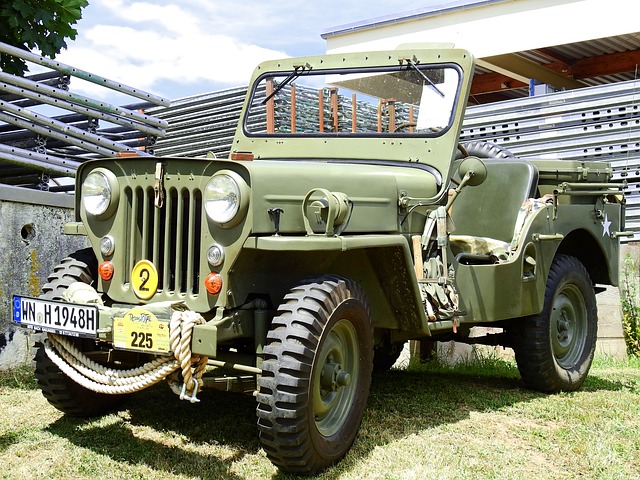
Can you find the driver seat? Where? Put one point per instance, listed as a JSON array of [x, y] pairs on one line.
[[485, 215]]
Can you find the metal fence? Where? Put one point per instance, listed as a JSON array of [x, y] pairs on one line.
[[591, 124], [200, 124], [36, 146]]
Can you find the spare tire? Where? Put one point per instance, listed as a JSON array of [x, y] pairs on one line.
[[482, 149]]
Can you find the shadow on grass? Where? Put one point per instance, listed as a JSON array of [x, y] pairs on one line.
[[225, 419], [595, 382], [18, 378], [406, 402], [400, 403], [8, 439]]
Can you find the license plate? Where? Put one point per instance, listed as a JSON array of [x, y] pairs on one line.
[[55, 317], [141, 330]]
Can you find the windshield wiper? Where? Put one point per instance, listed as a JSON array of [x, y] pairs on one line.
[[413, 65], [297, 71]]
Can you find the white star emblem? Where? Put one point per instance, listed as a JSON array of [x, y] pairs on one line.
[[606, 225]]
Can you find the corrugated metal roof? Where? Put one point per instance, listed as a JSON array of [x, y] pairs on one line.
[[574, 52]]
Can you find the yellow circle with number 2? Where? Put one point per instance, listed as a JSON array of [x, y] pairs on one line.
[[144, 279]]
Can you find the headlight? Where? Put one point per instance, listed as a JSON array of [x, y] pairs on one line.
[[99, 192], [226, 198]]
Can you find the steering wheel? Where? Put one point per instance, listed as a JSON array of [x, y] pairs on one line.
[[404, 125]]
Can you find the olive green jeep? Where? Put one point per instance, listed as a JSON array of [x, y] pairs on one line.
[[348, 220]]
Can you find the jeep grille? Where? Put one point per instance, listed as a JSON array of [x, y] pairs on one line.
[[167, 236]]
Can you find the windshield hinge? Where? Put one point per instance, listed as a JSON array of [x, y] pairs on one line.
[[297, 71], [413, 63], [158, 186]]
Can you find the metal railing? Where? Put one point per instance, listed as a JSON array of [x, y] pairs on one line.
[[35, 146], [590, 124]]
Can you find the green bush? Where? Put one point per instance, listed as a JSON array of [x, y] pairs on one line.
[[631, 306]]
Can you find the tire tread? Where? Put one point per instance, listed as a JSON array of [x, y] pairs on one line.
[[289, 353]]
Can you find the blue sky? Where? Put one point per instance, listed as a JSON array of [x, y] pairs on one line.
[[185, 47]]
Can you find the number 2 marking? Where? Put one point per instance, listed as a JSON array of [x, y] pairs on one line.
[[144, 278]]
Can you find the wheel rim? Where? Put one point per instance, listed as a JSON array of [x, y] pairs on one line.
[[568, 326], [335, 378]]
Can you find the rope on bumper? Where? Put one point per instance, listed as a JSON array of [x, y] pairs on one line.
[[180, 332], [98, 378]]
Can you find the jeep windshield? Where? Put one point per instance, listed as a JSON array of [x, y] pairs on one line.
[[405, 99]]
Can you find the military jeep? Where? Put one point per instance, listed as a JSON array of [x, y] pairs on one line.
[[347, 220]]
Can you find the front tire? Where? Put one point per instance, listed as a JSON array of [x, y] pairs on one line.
[[555, 348], [61, 391], [316, 375]]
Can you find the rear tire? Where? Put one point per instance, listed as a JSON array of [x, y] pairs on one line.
[[316, 375], [386, 355], [60, 391], [555, 348]]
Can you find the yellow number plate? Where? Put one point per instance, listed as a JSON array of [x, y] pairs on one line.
[[144, 279], [140, 329]]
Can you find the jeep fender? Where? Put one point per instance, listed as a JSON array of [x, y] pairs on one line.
[[381, 264]]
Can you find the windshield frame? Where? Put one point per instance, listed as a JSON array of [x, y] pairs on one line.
[[257, 96]]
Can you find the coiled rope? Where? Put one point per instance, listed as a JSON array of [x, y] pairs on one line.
[[98, 378]]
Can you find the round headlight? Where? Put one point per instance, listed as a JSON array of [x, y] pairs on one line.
[[225, 196], [99, 192]]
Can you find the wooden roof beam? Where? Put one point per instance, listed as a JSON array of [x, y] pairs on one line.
[[522, 70], [494, 83], [599, 65]]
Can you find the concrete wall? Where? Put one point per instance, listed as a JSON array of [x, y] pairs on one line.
[[611, 341], [31, 245]]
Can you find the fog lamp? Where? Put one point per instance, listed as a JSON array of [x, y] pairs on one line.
[[107, 245], [215, 255]]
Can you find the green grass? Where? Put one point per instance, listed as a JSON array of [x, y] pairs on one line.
[[471, 421]]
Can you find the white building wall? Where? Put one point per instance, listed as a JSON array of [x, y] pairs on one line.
[[495, 29]]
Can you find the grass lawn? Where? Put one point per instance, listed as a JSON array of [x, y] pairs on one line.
[[472, 421]]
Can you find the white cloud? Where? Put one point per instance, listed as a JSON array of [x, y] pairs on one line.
[[161, 43], [207, 44], [170, 17]]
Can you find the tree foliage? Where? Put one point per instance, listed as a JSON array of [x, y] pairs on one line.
[[37, 24]]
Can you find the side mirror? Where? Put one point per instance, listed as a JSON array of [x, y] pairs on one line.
[[473, 170]]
